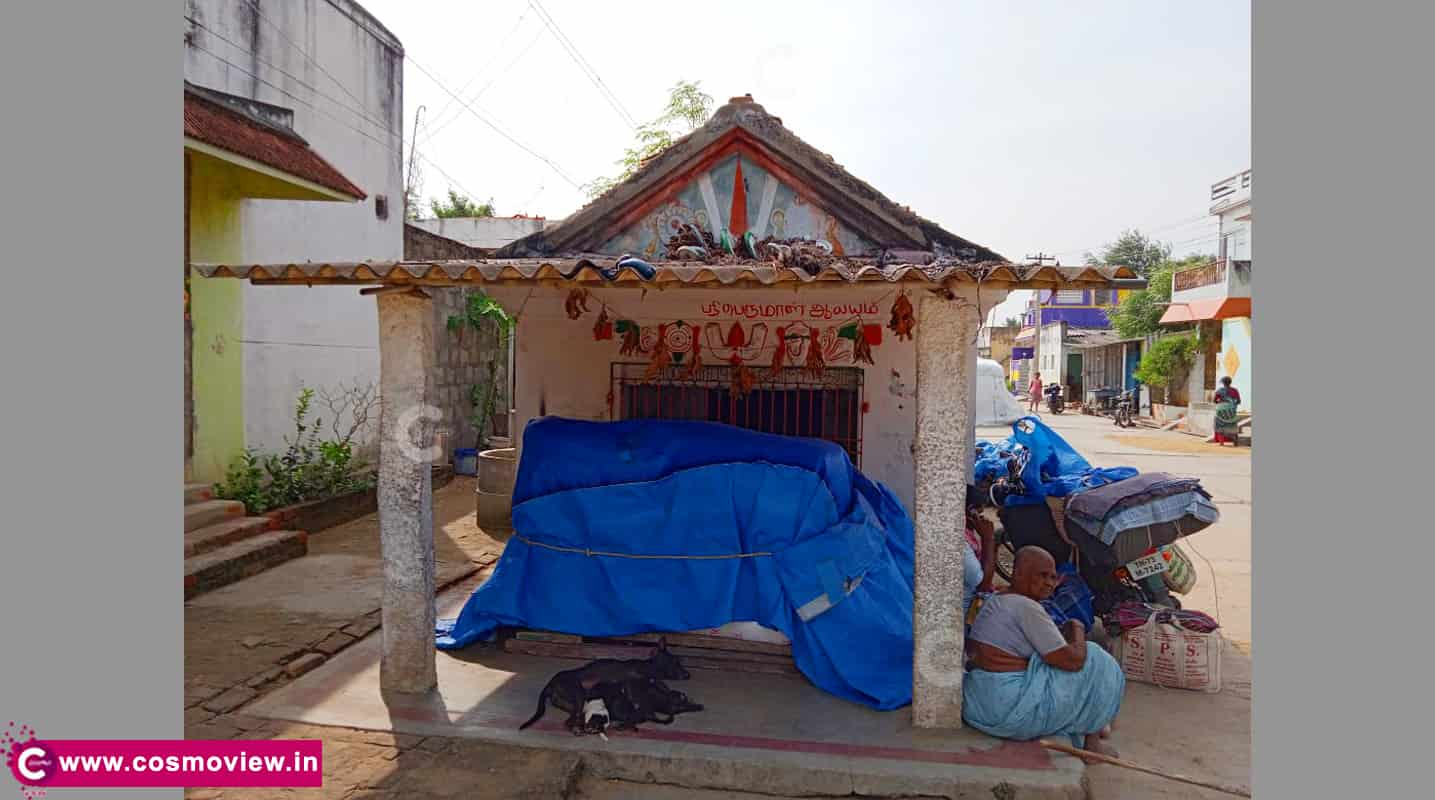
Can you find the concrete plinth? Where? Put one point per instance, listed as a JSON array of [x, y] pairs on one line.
[[946, 362], [405, 497], [769, 734]]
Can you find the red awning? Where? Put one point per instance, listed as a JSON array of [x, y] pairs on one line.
[[213, 124], [1215, 308]]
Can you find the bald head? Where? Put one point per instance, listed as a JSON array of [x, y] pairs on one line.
[[1034, 573], [1030, 557]]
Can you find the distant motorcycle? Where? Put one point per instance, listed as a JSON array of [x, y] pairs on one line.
[[1055, 403], [1125, 407]]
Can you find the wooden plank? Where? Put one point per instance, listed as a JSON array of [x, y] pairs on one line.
[[589, 652], [724, 665], [583, 652], [548, 636], [714, 643], [705, 652]]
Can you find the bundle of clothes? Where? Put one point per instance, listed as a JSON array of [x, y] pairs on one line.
[[1091, 519]]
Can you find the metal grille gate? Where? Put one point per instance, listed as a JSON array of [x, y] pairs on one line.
[[793, 402]]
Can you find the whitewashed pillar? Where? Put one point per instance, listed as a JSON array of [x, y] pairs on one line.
[[405, 492], [946, 363]]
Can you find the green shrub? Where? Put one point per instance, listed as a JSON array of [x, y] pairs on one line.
[[1167, 362], [309, 469]]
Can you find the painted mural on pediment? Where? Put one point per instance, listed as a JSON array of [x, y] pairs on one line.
[[735, 206]]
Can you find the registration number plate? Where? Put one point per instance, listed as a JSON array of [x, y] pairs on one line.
[[1146, 566]]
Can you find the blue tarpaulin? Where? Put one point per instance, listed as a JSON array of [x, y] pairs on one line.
[[657, 525], [1053, 468]]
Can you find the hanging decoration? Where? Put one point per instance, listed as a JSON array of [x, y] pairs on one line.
[[815, 365], [697, 360], [795, 342], [632, 337], [603, 328], [577, 303], [779, 354], [742, 381], [903, 320], [861, 343], [662, 357]]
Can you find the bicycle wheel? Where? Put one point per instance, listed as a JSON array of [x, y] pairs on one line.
[[1005, 555]]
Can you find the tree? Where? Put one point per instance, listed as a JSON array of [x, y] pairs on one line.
[[1135, 250], [1139, 315], [1165, 364], [460, 206], [1012, 322], [688, 108]]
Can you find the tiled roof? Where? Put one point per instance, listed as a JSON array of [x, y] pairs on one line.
[[888, 224], [209, 121], [602, 269]]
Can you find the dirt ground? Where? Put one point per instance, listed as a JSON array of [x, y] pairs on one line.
[[1179, 443]]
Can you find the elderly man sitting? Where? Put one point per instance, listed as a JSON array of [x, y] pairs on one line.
[[1032, 679]]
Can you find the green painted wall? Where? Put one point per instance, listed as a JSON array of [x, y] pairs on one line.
[[217, 308]]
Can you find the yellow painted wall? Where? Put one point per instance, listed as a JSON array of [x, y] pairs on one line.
[[217, 308]]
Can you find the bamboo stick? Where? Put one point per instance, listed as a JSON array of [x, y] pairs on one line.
[[1238, 791]]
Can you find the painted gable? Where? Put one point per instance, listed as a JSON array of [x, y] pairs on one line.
[[740, 195]]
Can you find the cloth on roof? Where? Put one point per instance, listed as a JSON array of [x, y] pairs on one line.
[[661, 525], [1044, 700]]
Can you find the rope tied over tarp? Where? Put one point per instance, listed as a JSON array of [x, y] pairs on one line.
[[590, 552]]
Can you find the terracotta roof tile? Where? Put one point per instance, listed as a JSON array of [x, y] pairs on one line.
[[215, 125], [592, 271]]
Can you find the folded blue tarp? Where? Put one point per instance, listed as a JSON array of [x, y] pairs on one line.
[[654, 525], [1053, 468]]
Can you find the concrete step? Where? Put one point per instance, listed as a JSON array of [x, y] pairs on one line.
[[208, 512], [198, 493], [237, 561], [226, 532]]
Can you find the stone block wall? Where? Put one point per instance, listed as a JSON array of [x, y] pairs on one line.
[[461, 360]]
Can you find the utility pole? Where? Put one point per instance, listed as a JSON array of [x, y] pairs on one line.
[[413, 148], [1039, 259]]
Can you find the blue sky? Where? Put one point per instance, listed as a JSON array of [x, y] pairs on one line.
[[1034, 126]]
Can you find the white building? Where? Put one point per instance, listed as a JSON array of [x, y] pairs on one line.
[[340, 72], [1214, 300], [489, 233]]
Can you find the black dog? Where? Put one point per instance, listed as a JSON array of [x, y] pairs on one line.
[[639, 700], [570, 689]]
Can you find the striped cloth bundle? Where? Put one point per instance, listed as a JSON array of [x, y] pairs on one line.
[[1131, 614]]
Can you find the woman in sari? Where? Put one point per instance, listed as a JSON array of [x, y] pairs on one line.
[[1227, 399], [1032, 679]]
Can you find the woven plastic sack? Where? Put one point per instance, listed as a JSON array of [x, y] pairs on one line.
[[1163, 653], [1180, 574]]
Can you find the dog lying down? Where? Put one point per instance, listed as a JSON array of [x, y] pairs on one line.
[[617, 693], [626, 705]]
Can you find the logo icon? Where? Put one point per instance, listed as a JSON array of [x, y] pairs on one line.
[[31, 761]]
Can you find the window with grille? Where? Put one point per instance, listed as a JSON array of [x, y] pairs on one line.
[[791, 403], [1071, 297]]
